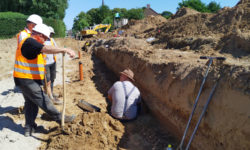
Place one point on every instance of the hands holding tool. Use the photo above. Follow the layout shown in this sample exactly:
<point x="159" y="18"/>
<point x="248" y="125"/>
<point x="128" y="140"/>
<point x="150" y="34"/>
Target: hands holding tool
<point x="70" y="52"/>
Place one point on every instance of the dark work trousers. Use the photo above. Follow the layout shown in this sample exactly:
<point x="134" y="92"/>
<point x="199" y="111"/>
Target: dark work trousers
<point x="35" y="98"/>
<point x="51" y="73"/>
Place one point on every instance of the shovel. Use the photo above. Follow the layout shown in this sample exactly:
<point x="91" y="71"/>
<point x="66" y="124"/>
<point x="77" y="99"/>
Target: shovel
<point x="64" y="92"/>
<point x="88" y="107"/>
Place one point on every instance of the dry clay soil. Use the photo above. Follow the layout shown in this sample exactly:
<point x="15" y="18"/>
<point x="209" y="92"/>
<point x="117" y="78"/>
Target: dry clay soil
<point x="90" y="130"/>
<point x="168" y="72"/>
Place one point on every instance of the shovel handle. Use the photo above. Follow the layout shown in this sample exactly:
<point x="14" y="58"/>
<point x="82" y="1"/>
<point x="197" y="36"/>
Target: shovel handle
<point x="207" y="57"/>
<point x="64" y="91"/>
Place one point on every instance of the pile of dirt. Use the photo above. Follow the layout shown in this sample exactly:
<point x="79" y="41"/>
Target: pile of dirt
<point x="137" y="27"/>
<point x="226" y="31"/>
<point x="184" y="11"/>
<point x="90" y="130"/>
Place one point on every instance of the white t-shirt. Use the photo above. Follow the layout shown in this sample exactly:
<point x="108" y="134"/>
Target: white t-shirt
<point x="118" y="100"/>
<point x="50" y="57"/>
<point x="23" y="35"/>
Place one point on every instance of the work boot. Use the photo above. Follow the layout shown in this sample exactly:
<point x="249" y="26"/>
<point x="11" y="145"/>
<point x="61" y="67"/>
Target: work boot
<point x="27" y="131"/>
<point x="38" y="129"/>
<point x="56" y="101"/>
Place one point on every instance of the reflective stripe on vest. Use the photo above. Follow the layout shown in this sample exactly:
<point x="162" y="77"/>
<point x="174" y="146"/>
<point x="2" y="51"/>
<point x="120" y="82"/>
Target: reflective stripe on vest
<point x="28" y="69"/>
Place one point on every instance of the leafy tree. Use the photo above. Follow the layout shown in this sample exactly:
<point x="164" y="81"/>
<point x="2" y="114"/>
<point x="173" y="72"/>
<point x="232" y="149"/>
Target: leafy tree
<point x="166" y="14"/>
<point x="194" y="4"/>
<point x="108" y="20"/>
<point x="122" y="11"/>
<point x="80" y="22"/>
<point x="135" y="13"/>
<point x="213" y="7"/>
<point x="199" y="6"/>
<point x="46" y="8"/>
<point x="104" y="15"/>
<point x="104" y="12"/>
<point x="93" y="16"/>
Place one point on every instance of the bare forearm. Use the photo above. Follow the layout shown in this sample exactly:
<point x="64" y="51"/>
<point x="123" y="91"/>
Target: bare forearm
<point x="49" y="49"/>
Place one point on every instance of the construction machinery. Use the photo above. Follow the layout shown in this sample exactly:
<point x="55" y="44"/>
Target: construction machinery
<point x="95" y="29"/>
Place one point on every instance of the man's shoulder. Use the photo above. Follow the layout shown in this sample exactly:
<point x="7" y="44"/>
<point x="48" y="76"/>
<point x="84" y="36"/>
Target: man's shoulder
<point x="117" y="83"/>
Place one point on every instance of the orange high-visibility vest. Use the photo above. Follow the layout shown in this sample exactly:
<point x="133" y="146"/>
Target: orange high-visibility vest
<point x="44" y="55"/>
<point x="28" y="68"/>
<point x="52" y="43"/>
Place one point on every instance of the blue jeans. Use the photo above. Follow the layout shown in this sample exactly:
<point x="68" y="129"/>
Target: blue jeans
<point x="35" y="98"/>
<point x="51" y="73"/>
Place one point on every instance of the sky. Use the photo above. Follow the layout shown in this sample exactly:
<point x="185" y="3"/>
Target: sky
<point x="76" y="6"/>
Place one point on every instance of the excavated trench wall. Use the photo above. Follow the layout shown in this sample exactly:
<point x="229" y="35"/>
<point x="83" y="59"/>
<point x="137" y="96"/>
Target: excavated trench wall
<point x="169" y="82"/>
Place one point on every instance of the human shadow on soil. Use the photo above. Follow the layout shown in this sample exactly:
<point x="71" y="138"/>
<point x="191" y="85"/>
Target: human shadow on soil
<point x="141" y="134"/>
<point x="9" y="91"/>
<point x="7" y="122"/>
<point x="7" y="109"/>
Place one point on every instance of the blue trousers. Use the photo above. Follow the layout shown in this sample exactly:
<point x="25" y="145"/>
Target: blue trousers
<point x="51" y="74"/>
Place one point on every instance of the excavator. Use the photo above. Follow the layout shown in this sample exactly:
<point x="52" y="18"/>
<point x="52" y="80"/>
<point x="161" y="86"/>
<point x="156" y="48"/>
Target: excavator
<point x="94" y="30"/>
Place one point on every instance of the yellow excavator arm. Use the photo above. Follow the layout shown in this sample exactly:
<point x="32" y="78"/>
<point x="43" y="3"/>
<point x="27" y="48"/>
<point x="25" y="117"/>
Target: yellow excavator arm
<point x="107" y="29"/>
<point x="93" y="31"/>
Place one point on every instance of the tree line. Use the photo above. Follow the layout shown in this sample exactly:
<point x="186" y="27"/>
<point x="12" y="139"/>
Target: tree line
<point x="47" y="8"/>
<point x="198" y="5"/>
<point x="105" y="15"/>
<point x="55" y="9"/>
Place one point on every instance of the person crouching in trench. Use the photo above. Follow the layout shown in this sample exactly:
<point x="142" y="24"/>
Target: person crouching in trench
<point x="125" y="97"/>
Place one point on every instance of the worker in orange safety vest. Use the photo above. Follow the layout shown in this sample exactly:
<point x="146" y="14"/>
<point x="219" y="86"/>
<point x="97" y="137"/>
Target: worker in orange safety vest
<point x="31" y="22"/>
<point x="29" y="72"/>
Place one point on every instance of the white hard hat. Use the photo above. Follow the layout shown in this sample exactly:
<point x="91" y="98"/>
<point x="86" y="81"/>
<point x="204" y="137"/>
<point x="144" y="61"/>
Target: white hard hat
<point x="51" y="29"/>
<point x="43" y="29"/>
<point x="35" y="19"/>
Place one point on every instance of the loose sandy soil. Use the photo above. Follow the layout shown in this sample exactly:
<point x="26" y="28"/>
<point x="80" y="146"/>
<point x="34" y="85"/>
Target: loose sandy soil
<point x="90" y="130"/>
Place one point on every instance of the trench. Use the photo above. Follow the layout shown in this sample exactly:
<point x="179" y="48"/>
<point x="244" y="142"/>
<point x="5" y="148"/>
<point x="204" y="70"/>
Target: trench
<point x="97" y="130"/>
<point x="169" y="82"/>
<point x="146" y="132"/>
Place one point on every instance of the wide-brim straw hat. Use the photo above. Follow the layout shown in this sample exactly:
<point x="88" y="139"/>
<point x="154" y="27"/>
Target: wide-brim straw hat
<point x="129" y="73"/>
